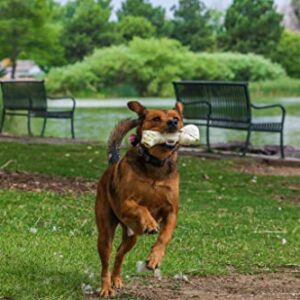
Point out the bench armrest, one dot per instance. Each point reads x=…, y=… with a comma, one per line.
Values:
x=283, y=111
x=64, y=98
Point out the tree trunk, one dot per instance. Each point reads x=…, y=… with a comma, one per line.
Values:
x=13, y=69
x=13, y=59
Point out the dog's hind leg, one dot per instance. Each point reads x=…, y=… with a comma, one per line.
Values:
x=126, y=245
x=106, y=224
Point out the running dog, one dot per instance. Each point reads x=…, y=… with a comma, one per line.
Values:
x=140, y=191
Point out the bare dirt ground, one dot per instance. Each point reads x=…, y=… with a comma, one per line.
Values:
x=45, y=183
x=284, y=285
x=265, y=168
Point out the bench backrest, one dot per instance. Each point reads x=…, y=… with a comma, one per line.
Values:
x=229, y=100
x=20, y=95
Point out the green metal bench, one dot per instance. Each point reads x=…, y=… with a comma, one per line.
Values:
x=224, y=105
x=29, y=98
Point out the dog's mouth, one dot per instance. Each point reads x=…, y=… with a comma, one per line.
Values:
x=171, y=139
x=170, y=143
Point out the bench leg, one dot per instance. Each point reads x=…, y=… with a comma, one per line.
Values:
x=44, y=126
x=29, y=124
x=72, y=127
x=2, y=120
x=207, y=138
x=247, y=142
x=281, y=144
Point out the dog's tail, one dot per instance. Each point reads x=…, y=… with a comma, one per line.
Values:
x=116, y=137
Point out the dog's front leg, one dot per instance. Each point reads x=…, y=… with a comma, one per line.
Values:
x=158, y=249
x=138, y=218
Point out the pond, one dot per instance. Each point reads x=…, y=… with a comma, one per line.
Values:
x=94, y=120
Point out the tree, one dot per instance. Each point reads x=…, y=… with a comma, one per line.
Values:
x=26, y=31
x=131, y=26
x=143, y=8
x=191, y=25
x=252, y=26
x=287, y=53
x=86, y=27
x=296, y=8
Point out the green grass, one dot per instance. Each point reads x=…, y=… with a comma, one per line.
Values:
x=227, y=220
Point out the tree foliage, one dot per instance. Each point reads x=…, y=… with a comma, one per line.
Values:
x=143, y=8
x=86, y=27
x=191, y=25
x=26, y=31
x=287, y=53
x=252, y=26
x=296, y=8
x=129, y=27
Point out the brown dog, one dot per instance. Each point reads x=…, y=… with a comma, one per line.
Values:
x=140, y=192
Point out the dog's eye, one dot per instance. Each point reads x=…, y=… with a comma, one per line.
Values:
x=156, y=119
x=175, y=118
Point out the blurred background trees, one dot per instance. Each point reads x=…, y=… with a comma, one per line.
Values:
x=69, y=35
x=252, y=26
x=191, y=25
x=27, y=31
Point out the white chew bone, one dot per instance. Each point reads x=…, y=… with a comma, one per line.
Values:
x=151, y=138
x=187, y=135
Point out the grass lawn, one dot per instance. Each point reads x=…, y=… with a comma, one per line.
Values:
x=228, y=221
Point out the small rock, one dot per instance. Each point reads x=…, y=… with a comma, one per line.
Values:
x=181, y=276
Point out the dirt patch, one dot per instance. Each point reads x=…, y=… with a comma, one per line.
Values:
x=264, y=168
x=40, y=183
x=271, y=286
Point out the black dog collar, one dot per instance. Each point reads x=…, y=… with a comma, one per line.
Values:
x=150, y=159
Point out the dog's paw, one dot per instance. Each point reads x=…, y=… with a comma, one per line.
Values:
x=154, y=259
x=107, y=292
x=117, y=282
x=150, y=226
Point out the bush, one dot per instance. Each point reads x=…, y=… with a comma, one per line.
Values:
x=71, y=79
x=149, y=66
x=246, y=67
x=287, y=53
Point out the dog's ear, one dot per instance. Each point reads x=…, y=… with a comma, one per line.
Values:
x=179, y=108
x=137, y=107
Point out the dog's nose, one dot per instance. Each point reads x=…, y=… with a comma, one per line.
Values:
x=172, y=123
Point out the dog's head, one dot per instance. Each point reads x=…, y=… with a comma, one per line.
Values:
x=161, y=120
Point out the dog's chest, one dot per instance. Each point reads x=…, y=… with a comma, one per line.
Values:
x=156, y=195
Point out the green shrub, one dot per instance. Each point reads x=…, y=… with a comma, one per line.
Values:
x=248, y=67
x=287, y=53
x=150, y=65
x=282, y=87
x=71, y=78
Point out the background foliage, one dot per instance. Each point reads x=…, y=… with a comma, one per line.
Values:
x=252, y=26
x=26, y=31
x=100, y=53
x=287, y=53
x=150, y=65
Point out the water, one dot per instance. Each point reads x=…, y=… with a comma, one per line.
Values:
x=94, y=121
